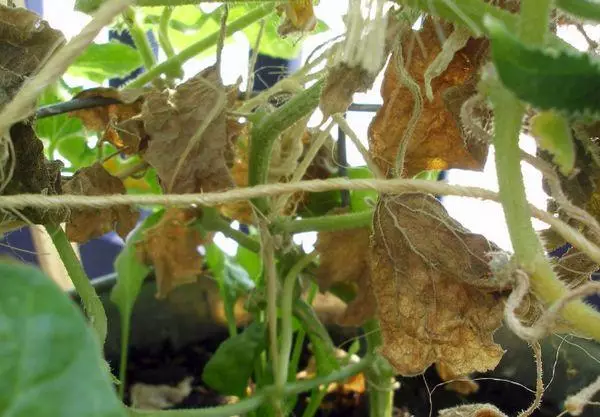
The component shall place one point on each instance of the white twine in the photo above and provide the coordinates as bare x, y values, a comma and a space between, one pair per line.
392, 186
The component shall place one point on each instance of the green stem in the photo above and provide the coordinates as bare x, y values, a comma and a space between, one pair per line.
529, 252
300, 336
91, 302
252, 403
379, 375
165, 40
211, 220
287, 303
140, 39
316, 398
268, 129
202, 45
325, 223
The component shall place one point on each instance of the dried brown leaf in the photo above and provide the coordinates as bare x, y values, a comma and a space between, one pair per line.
462, 385
26, 42
86, 224
436, 298
172, 118
172, 247
437, 141
344, 258
472, 410
113, 119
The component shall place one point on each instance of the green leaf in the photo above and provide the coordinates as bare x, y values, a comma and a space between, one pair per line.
429, 175
548, 79
99, 62
322, 345
131, 272
230, 275
54, 129
585, 9
553, 134
250, 261
87, 6
51, 363
232, 364
360, 200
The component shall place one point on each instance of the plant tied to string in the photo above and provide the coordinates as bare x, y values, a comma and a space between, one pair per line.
205, 156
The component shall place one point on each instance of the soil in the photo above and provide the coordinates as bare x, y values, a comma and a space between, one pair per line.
169, 366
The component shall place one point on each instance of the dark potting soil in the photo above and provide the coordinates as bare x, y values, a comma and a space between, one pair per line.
165, 365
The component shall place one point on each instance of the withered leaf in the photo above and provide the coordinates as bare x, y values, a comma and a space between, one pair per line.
172, 247
299, 17
86, 224
172, 118
436, 298
26, 42
437, 141
343, 81
344, 258
462, 385
472, 410
114, 119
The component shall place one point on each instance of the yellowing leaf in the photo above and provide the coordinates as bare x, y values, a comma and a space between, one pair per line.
436, 299
172, 247
113, 119
86, 224
299, 17
344, 258
437, 141
553, 133
172, 119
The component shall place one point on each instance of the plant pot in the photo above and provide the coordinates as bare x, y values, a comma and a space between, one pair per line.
190, 316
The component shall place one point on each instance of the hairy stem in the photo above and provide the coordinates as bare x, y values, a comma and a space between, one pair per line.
529, 252
91, 302
325, 223
379, 375
202, 45
267, 130
287, 304
140, 39
165, 41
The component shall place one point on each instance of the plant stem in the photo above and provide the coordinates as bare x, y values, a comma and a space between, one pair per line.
140, 40
379, 375
165, 41
252, 403
325, 223
91, 302
270, 127
202, 45
212, 220
300, 336
287, 303
529, 252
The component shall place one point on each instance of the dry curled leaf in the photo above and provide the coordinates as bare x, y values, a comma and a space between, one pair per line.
172, 119
299, 17
172, 247
437, 141
113, 119
26, 42
159, 397
86, 224
462, 385
344, 258
343, 81
436, 298
472, 410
